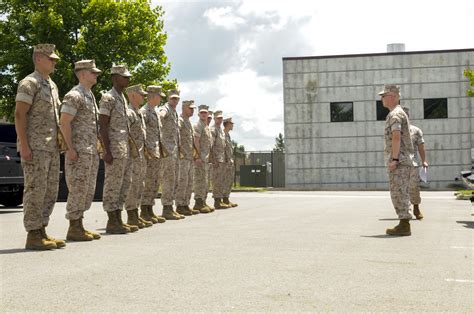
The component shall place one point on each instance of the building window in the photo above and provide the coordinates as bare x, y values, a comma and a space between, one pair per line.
435, 108
382, 112
342, 111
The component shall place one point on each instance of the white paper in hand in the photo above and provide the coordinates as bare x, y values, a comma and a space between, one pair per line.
424, 174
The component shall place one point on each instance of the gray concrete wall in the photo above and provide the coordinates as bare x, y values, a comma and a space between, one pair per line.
349, 155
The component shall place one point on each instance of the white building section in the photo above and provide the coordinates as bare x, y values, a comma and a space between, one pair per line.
334, 120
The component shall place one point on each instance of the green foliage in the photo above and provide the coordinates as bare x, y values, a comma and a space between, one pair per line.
279, 143
111, 32
470, 75
239, 150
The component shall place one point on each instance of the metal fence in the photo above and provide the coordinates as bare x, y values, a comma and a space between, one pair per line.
260, 168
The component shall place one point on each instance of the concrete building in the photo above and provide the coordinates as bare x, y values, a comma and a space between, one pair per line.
334, 125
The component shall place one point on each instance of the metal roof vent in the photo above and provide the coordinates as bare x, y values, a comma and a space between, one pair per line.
398, 47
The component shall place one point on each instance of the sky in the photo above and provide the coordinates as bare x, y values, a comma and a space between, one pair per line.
228, 53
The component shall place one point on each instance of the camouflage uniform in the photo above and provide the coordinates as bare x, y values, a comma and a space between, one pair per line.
417, 139
152, 145
41, 174
218, 159
399, 179
81, 174
200, 184
229, 169
184, 187
117, 175
138, 164
170, 161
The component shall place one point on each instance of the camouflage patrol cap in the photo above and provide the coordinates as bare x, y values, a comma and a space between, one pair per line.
136, 89
155, 89
228, 120
218, 114
120, 70
390, 88
203, 108
189, 104
173, 93
47, 50
86, 65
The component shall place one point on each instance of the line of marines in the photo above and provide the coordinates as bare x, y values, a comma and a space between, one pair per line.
142, 144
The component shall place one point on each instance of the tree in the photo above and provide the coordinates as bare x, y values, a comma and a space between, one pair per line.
279, 143
239, 150
470, 75
111, 32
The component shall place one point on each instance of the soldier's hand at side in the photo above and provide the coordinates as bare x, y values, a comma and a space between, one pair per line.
215, 165
198, 162
392, 166
425, 164
71, 154
108, 158
26, 153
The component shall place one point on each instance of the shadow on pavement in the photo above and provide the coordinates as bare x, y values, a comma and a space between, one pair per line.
15, 251
379, 236
389, 219
467, 224
10, 211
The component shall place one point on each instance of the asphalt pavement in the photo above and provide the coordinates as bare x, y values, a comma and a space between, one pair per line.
277, 251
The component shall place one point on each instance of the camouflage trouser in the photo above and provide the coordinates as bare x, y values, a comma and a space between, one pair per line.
209, 177
399, 186
200, 184
81, 176
229, 175
415, 186
218, 179
152, 181
116, 184
41, 180
184, 186
138, 170
170, 175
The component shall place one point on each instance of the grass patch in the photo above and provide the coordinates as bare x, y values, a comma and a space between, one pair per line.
465, 192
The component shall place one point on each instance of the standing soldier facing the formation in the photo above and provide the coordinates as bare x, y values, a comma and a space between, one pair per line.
186, 169
136, 96
79, 115
419, 148
114, 131
398, 157
37, 127
229, 167
218, 161
153, 153
202, 143
170, 161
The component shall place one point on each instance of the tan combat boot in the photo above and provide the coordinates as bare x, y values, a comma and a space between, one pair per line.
160, 219
402, 229
218, 204
36, 241
144, 222
168, 213
59, 243
184, 210
114, 226
417, 212
132, 228
226, 201
199, 205
133, 219
145, 214
211, 209
76, 233
192, 210
94, 235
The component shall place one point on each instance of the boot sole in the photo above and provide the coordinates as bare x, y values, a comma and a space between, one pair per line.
79, 240
38, 248
399, 234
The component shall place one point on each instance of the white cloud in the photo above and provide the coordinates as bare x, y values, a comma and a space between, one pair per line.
223, 17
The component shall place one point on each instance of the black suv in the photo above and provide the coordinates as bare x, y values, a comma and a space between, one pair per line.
11, 173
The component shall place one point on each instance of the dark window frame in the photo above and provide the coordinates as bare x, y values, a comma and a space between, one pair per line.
333, 116
435, 108
380, 111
